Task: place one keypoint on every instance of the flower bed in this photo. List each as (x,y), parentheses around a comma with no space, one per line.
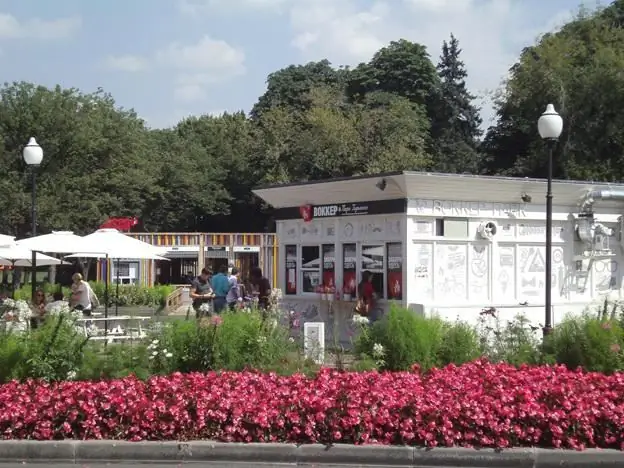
(477,404)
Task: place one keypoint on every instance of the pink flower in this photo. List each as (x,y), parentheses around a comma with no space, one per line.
(216,320)
(477,404)
(606,325)
(615,348)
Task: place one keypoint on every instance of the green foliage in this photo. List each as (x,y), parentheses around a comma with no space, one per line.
(233,341)
(460,344)
(52,352)
(516,341)
(406,338)
(114,361)
(593,343)
(129,295)
(578,70)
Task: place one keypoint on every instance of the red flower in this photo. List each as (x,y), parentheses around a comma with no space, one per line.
(477,404)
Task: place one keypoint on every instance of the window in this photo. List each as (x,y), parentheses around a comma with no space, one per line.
(451,227)
(372,260)
(310,268)
(329,265)
(291,269)
(123,269)
(349,273)
(394,271)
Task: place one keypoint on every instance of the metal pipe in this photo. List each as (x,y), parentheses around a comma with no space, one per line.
(588,200)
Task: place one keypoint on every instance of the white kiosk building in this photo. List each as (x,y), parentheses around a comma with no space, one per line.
(446,244)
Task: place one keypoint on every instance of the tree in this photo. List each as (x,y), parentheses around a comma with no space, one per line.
(96,158)
(578,69)
(290,86)
(455,126)
(402,68)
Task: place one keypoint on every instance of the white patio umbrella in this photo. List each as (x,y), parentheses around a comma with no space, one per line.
(16,255)
(59,242)
(6,240)
(110,243)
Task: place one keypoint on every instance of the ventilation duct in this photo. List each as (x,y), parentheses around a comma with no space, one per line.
(592,196)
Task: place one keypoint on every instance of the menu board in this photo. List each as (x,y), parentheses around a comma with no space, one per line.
(291,269)
(329,266)
(395,271)
(349,264)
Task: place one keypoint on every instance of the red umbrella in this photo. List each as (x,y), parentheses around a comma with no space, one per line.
(121,224)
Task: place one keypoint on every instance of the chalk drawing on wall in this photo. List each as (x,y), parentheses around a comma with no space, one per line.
(533,268)
(605,275)
(422,272)
(505,274)
(479,275)
(451,272)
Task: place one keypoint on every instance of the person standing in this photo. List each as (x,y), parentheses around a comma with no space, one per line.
(233,297)
(82,296)
(202,294)
(220,287)
(262,285)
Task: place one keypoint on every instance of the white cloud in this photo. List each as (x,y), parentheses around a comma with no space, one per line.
(195,8)
(491,33)
(211,56)
(128,63)
(198,65)
(36,28)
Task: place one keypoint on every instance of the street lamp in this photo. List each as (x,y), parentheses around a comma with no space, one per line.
(549,126)
(33,155)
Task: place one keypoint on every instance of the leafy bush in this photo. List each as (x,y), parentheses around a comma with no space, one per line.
(129,295)
(592,343)
(114,361)
(232,341)
(515,342)
(401,339)
(460,344)
(52,352)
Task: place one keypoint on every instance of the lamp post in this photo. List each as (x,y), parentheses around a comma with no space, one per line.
(549,126)
(33,155)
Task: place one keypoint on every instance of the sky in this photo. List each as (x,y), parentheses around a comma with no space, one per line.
(169,59)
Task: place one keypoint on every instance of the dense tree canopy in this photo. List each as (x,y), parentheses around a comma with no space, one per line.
(399,111)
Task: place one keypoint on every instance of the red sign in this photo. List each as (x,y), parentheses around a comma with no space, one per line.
(306,212)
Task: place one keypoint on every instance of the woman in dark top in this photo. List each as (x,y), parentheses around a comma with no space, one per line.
(366,293)
(262,286)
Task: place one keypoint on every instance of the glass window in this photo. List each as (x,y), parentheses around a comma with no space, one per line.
(329,265)
(349,265)
(291,269)
(394,271)
(310,268)
(372,260)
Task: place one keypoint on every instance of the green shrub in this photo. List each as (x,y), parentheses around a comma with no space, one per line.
(189,343)
(52,352)
(129,295)
(114,361)
(247,340)
(12,348)
(460,344)
(515,342)
(233,341)
(401,339)
(594,344)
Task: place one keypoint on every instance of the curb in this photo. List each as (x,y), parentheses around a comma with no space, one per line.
(80,452)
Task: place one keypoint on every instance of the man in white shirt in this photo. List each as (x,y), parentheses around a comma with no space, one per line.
(233,297)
